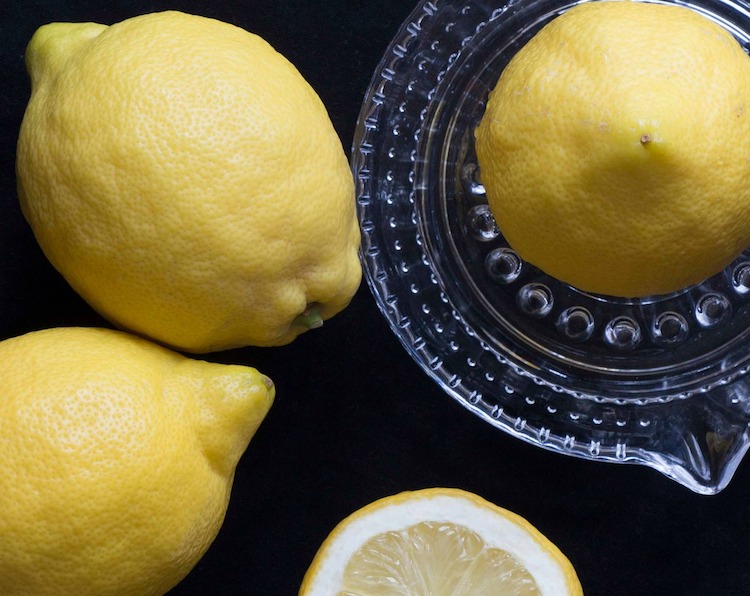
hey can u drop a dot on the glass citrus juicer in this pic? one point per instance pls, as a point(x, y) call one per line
point(661, 381)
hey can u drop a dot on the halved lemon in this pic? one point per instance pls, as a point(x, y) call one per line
point(438, 542)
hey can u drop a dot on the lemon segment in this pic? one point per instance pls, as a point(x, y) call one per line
point(615, 148)
point(187, 181)
point(446, 560)
point(437, 542)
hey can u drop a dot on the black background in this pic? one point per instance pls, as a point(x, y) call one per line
point(355, 419)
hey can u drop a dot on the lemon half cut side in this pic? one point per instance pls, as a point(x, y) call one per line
point(435, 542)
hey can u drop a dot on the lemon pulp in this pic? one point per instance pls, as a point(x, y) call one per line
point(434, 559)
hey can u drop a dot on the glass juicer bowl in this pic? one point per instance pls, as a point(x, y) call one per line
point(660, 381)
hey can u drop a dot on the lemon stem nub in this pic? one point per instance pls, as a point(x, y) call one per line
point(310, 318)
point(646, 138)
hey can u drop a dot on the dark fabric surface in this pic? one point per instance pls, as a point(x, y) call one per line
point(355, 418)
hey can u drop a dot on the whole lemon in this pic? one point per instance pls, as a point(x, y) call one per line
point(615, 148)
point(187, 181)
point(117, 460)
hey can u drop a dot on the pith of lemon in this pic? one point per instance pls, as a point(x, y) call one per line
point(615, 148)
point(117, 460)
point(187, 181)
point(438, 541)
